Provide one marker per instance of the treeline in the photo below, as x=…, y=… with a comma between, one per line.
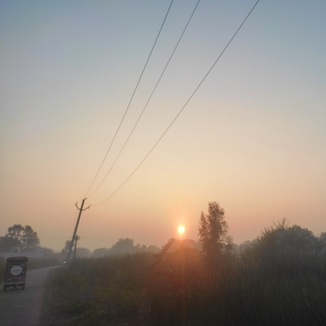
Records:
x=23, y=240
x=121, y=247
x=19, y=239
x=277, y=279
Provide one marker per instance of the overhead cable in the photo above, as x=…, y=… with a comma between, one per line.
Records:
x=130, y=101
x=150, y=97
x=183, y=107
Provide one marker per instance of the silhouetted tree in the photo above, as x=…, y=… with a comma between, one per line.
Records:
x=283, y=239
x=83, y=252
x=66, y=247
x=212, y=231
x=21, y=238
x=322, y=241
x=30, y=239
x=153, y=249
x=123, y=246
x=8, y=244
x=285, y=248
x=101, y=252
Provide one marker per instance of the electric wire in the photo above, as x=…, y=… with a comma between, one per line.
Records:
x=149, y=99
x=183, y=107
x=130, y=101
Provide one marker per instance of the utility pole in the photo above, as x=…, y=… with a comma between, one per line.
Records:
x=75, y=231
x=75, y=246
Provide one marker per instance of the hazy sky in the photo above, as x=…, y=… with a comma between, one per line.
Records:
x=253, y=137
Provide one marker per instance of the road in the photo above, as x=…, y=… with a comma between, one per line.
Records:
x=23, y=307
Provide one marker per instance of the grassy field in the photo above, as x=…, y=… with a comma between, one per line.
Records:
x=182, y=288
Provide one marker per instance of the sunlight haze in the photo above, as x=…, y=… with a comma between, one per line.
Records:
x=252, y=138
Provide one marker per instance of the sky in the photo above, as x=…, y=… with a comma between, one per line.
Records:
x=252, y=137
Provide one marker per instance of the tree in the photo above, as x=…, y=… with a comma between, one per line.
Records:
x=66, y=247
x=8, y=244
x=30, y=239
x=20, y=239
x=213, y=230
x=322, y=240
x=123, y=246
x=283, y=240
x=101, y=252
x=284, y=248
x=83, y=252
x=15, y=233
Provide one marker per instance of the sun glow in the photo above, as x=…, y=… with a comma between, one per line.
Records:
x=181, y=229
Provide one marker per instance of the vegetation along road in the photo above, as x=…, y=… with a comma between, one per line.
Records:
x=23, y=307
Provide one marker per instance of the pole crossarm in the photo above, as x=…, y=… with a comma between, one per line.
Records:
x=81, y=209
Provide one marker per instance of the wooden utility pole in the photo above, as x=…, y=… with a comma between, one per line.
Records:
x=75, y=246
x=75, y=231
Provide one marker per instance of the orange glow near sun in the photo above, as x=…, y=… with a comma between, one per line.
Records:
x=181, y=229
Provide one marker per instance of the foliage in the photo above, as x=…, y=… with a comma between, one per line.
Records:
x=212, y=232
x=67, y=246
x=19, y=239
x=83, y=252
x=8, y=244
x=101, y=291
x=100, y=252
x=178, y=287
x=322, y=241
x=284, y=248
x=123, y=247
x=78, y=252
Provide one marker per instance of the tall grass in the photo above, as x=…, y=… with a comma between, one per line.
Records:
x=101, y=291
x=182, y=288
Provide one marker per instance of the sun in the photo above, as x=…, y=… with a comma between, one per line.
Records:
x=181, y=229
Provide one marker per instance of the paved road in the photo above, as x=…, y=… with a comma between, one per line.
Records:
x=22, y=307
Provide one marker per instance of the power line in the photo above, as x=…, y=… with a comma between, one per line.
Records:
x=130, y=101
x=184, y=106
x=150, y=97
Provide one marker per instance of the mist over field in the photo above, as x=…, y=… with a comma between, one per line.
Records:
x=167, y=158
x=277, y=279
x=135, y=106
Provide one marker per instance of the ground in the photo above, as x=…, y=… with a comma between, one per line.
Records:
x=23, y=307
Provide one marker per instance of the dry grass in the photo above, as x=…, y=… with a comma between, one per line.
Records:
x=181, y=288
